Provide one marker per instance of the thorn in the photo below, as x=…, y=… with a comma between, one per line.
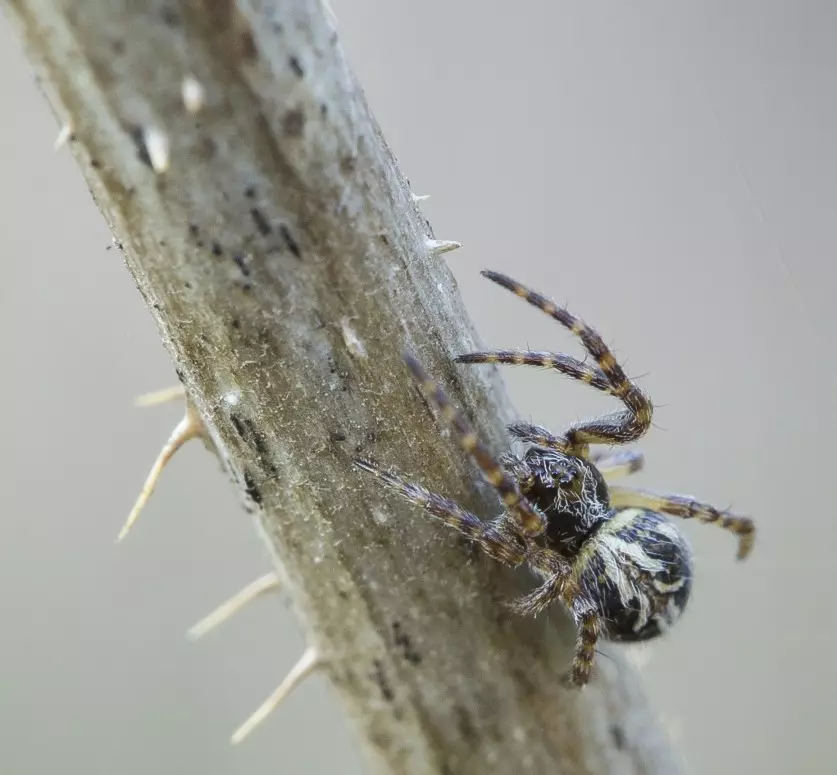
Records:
x=158, y=149
x=267, y=583
x=438, y=246
x=420, y=197
x=164, y=396
x=64, y=135
x=188, y=428
x=309, y=662
x=193, y=94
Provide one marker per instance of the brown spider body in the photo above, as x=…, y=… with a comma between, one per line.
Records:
x=633, y=562
x=608, y=553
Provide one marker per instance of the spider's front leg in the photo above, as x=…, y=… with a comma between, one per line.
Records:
x=526, y=520
x=519, y=470
x=607, y=375
x=496, y=540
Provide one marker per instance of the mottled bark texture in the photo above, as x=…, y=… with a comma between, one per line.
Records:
x=287, y=266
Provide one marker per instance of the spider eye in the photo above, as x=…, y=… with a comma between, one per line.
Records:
x=564, y=475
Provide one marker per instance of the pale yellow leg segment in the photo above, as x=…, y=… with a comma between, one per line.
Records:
x=617, y=464
x=686, y=507
x=309, y=662
x=267, y=583
x=190, y=427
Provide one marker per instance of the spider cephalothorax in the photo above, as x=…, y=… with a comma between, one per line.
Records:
x=608, y=553
x=568, y=490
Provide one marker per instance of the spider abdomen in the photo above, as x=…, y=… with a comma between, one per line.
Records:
x=637, y=567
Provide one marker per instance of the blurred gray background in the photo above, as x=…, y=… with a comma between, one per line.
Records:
x=667, y=169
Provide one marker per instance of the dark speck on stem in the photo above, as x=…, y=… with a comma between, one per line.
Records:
x=296, y=67
x=170, y=17
x=261, y=222
x=293, y=123
x=242, y=264
x=139, y=144
x=290, y=241
x=252, y=489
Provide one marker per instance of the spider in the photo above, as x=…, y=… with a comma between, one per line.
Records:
x=607, y=553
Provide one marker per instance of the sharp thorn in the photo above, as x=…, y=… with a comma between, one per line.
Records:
x=420, y=197
x=158, y=148
x=164, y=396
x=267, y=583
x=438, y=246
x=64, y=135
x=188, y=428
x=309, y=662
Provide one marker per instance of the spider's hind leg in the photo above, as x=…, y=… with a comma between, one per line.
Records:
x=586, y=638
x=686, y=507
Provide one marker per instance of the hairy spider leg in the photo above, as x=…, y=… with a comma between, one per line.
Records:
x=508, y=549
x=530, y=522
x=557, y=585
x=560, y=362
x=687, y=507
x=587, y=635
x=617, y=428
x=542, y=437
x=588, y=623
x=496, y=544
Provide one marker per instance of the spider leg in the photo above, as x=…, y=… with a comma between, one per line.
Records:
x=560, y=584
x=519, y=470
x=521, y=513
x=621, y=462
x=565, y=364
x=540, y=437
x=496, y=543
x=617, y=428
x=588, y=625
x=688, y=508
x=588, y=622
x=587, y=636
x=539, y=599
